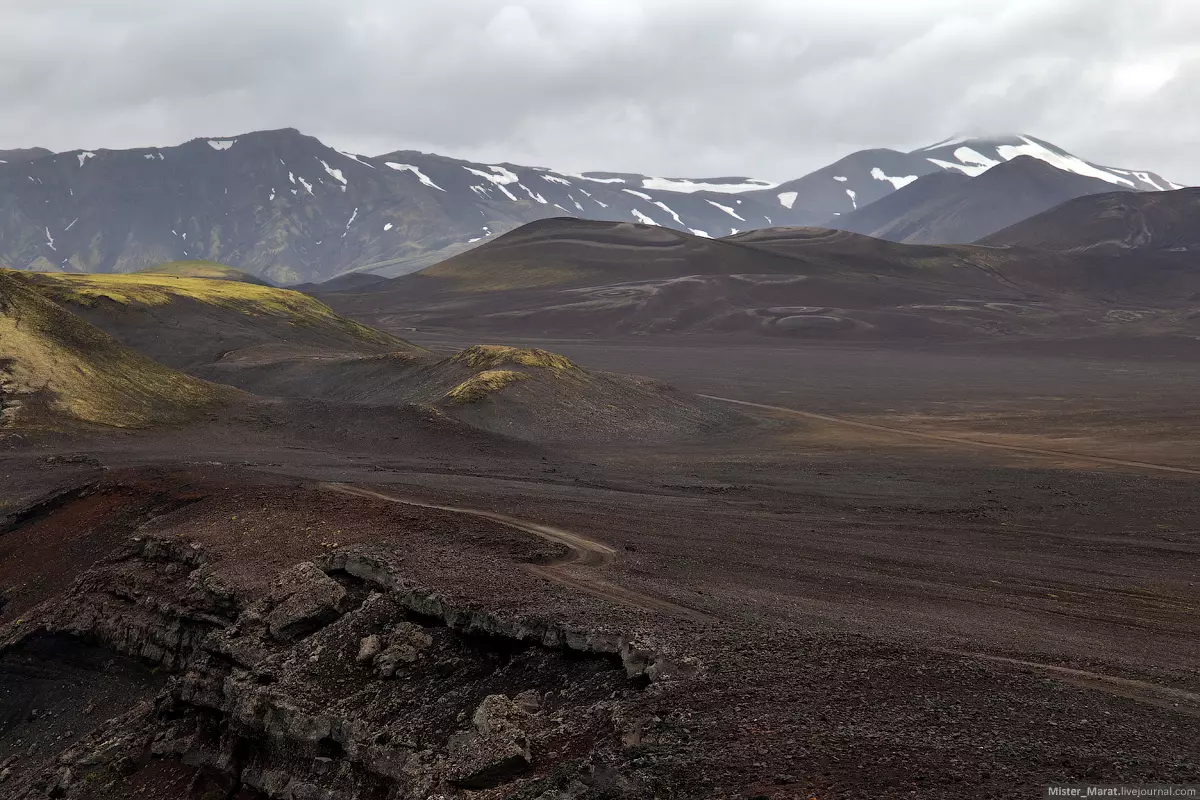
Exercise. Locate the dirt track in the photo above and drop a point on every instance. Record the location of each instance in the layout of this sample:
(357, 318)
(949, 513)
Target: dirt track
(581, 551)
(1058, 455)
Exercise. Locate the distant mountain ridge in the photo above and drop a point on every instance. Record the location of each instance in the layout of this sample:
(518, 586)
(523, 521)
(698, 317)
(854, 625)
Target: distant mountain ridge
(288, 208)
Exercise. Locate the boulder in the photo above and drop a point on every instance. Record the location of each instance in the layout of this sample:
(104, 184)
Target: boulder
(304, 599)
(496, 751)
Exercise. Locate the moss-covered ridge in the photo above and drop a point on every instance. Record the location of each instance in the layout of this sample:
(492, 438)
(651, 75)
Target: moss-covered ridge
(200, 268)
(491, 356)
(154, 289)
(56, 368)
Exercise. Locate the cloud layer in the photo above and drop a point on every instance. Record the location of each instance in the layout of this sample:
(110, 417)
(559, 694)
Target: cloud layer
(768, 88)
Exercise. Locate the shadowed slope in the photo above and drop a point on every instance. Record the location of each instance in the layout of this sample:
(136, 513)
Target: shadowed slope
(1113, 223)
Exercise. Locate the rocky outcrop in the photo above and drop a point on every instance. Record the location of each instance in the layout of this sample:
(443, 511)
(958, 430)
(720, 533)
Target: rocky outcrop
(304, 599)
(339, 680)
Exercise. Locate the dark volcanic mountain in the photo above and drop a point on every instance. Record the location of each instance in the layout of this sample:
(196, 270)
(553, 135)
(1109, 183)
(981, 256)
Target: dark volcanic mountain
(290, 209)
(1118, 222)
(950, 208)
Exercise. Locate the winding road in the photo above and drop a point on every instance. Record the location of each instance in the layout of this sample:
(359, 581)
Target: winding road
(581, 552)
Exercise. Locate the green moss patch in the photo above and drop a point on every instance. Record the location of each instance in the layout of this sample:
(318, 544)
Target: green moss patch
(490, 356)
(480, 386)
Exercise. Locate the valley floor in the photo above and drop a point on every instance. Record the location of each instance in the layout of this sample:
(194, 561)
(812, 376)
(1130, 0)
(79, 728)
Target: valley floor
(951, 574)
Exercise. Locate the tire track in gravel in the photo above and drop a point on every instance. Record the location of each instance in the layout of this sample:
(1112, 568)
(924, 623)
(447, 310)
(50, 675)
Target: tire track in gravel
(936, 437)
(581, 552)
(1169, 697)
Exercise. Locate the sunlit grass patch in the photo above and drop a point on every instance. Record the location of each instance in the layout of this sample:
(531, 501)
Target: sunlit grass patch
(486, 383)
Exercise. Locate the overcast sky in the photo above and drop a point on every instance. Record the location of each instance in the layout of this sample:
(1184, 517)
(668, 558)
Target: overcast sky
(766, 88)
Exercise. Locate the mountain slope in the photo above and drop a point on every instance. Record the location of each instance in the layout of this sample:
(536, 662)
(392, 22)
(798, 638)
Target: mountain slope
(57, 369)
(945, 208)
(1112, 223)
(850, 183)
(894, 206)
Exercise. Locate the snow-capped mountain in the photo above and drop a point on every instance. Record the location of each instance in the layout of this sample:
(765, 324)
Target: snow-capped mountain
(289, 208)
(951, 207)
(975, 156)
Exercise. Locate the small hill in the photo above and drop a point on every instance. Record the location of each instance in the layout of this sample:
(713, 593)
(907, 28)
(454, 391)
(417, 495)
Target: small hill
(950, 208)
(186, 322)
(1113, 223)
(564, 251)
(566, 277)
(529, 394)
(212, 270)
(56, 370)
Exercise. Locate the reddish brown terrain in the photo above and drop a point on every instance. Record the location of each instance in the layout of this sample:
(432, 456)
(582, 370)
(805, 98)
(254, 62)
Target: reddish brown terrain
(766, 568)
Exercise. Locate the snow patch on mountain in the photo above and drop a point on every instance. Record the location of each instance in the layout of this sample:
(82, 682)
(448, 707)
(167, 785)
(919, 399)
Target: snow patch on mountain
(498, 176)
(841, 178)
(535, 195)
(83, 157)
(1064, 162)
(642, 218)
(897, 183)
(353, 157)
(726, 209)
(688, 186)
(853, 197)
(787, 199)
(582, 177)
(336, 174)
(421, 176)
(221, 144)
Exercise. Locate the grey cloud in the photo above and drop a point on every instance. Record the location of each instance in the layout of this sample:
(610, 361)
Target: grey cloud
(770, 88)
